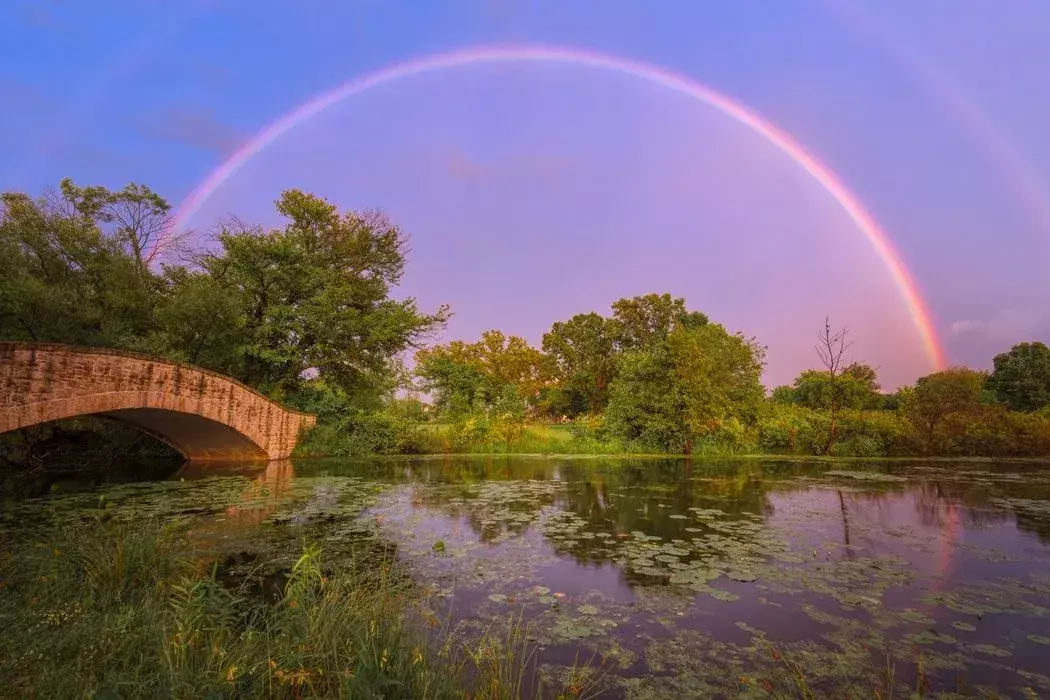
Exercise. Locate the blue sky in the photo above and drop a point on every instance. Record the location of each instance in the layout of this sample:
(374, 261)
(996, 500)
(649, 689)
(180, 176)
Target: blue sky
(533, 192)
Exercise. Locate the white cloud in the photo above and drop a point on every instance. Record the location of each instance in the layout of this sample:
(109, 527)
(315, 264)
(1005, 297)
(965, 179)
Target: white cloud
(1006, 325)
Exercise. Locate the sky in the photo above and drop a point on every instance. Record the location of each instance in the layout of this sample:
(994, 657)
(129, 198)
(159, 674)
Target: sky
(533, 190)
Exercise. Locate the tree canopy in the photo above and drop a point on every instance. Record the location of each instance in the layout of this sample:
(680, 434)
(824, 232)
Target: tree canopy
(1021, 378)
(693, 384)
(856, 387)
(272, 308)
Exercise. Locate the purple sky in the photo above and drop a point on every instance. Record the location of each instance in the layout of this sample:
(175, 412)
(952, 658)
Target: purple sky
(535, 191)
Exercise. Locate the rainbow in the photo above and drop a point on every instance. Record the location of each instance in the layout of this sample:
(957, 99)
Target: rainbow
(909, 290)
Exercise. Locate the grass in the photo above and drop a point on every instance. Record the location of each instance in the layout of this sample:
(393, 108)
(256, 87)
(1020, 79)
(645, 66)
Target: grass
(120, 611)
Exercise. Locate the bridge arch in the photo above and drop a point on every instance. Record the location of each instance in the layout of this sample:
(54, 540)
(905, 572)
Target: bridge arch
(204, 415)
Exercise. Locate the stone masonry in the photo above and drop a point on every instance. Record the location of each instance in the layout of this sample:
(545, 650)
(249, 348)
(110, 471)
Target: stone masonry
(203, 414)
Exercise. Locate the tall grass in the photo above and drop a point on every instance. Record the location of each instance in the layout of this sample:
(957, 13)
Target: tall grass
(112, 610)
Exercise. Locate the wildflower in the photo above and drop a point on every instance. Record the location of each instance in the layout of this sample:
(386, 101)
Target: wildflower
(231, 673)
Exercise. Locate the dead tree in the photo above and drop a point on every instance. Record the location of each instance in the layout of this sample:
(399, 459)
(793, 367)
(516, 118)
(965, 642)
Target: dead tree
(831, 348)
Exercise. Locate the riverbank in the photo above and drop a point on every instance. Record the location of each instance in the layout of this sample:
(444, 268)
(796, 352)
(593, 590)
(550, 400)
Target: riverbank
(131, 610)
(796, 433)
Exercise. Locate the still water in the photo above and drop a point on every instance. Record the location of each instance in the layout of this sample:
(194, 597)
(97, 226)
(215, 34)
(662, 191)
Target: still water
(674, 579)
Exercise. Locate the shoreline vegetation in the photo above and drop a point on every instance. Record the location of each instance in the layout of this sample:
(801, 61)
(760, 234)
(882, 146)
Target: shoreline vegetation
(303, 312)
(130, 610)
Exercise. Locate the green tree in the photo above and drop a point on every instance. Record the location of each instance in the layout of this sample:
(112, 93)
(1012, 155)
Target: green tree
(640, 321)
(313, 297)
(453, 374)
(63, 278)
(136, 217)
(698, 383)
(581, 357)
(783, 395)
(496, 369)
(200, 321)
(1021, 378)
(938, 398)
(855, 387)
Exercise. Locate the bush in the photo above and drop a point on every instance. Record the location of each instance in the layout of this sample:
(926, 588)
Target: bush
(726, 437)
(364, 433)
(799, 430)
(786, 429)
(589, 427)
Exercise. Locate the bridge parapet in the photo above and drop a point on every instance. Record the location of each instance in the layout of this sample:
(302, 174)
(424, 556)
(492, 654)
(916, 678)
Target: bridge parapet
(205, 415)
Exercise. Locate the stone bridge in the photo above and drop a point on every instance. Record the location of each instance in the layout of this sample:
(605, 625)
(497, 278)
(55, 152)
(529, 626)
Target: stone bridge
(204, 415)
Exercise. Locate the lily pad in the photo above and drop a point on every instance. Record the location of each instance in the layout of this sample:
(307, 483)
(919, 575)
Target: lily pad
(719, 594)
(991, 650)
(914, 616)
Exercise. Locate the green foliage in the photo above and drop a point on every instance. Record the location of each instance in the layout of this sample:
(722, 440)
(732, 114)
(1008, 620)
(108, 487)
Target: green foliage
(791, 429)
(124, 612)
(856, 387)
(271, 308)
(581, 357)
(359, 432)
(64, 279)
(495, 373)
(699, 383)
(1021, 378)
(314, 296)
(639, 322)
(941, 404)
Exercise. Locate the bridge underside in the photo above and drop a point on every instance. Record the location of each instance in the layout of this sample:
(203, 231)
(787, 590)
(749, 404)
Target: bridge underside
(197, 438)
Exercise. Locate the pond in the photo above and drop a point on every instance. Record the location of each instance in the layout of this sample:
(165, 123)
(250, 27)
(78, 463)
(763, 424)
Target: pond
(672, 578)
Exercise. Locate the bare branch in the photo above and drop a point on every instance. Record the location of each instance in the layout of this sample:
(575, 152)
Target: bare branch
(831, 347)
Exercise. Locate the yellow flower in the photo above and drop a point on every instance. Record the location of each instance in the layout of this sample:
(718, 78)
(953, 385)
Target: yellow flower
(231, 673)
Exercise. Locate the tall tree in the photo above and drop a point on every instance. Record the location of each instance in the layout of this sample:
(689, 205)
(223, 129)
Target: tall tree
(477, 376)
(642, 320)
(136, 217)
(314, 297)
(581, 354)
(1021, 378)
(938, 397)
(64, 278)
(696, 382)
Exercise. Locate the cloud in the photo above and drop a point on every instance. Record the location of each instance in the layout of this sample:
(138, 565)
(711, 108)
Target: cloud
(194, 126)
(1011, 325)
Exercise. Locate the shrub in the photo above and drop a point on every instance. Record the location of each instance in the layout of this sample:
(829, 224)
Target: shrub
(363, 433)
